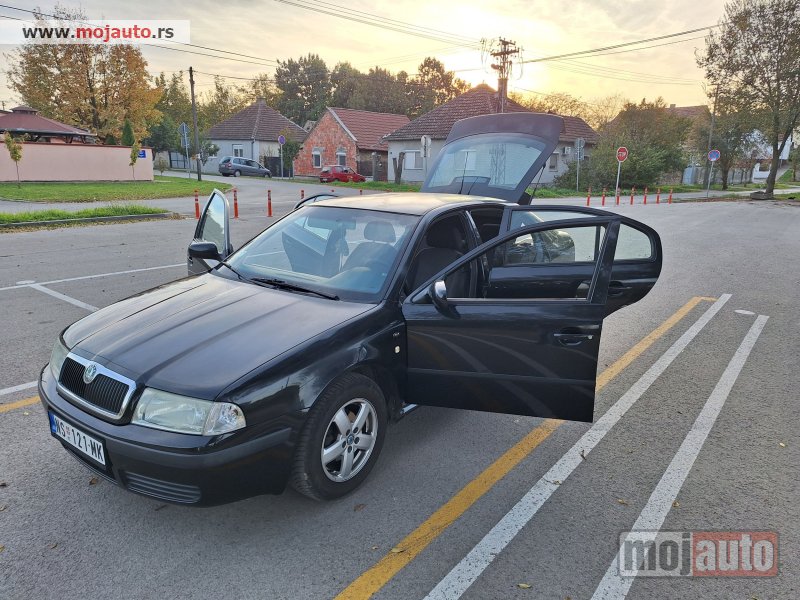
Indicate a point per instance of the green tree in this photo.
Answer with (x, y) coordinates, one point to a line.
(655, 139)
(128, 138)
(305, 87)
(733, 136)
(432, 86)
(218, 104)
(261, 86)
(559, 103)
(134, 157)
(752, 60)
(164, 136)
(15, 152)
(344, 83)
(381, 91)
(175, 100)
(94, 86)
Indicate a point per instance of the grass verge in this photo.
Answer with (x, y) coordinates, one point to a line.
(90, 191)
(41, 216)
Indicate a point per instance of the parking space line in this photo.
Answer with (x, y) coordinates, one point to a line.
(81, 278)
(40, 288)
(464, 574)
(18, 388)
(18, 404)
(372, 580)
(650, 520)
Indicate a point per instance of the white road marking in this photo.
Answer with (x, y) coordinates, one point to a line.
(21, 284)
(464, 574)
(613, 585)
(26, 282)
(744, 312)
(18, 388)
(39, 287)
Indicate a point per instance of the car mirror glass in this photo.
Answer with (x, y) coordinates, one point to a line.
(438, 294)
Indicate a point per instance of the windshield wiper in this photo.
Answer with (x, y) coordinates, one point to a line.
(285, 285)
(239, 275)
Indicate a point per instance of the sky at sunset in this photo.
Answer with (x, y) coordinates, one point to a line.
(272, 30)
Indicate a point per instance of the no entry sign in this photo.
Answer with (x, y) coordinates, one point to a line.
(622, 154)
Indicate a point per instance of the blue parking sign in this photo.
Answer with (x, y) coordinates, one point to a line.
(142, 153)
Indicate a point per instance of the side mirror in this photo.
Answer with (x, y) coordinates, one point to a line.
(438, 294)
(204, 250)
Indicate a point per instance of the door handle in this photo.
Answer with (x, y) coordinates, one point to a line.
(572, 339)
(616, 288)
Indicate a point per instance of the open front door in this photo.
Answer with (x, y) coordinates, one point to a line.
(213, 227)
(514, 326)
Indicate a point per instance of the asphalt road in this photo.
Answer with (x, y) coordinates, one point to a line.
(560, 514)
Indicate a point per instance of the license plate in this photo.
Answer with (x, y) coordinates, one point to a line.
(86, 444)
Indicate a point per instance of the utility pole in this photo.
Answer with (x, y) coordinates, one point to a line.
(505, 54)
(194, 121)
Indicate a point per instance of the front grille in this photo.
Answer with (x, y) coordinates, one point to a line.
(164, 490)
(105, 392)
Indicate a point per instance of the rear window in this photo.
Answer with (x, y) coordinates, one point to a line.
(226, 159)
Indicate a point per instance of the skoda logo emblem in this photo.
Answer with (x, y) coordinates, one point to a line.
(90, 373)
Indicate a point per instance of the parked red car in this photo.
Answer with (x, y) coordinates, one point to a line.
(339, 173)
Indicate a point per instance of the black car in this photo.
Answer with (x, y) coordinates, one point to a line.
(285, 361)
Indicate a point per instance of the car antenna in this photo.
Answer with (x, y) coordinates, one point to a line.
(535, 187)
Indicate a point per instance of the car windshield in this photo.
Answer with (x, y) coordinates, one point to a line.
(346, 252)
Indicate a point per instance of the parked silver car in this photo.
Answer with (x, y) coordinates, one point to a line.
(238, 165)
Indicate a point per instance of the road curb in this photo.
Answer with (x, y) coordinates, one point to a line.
(143, 217)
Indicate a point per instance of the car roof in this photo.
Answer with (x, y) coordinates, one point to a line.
(408, 203)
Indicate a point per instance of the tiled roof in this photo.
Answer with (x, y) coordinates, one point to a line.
(258, 121)
(574, 128)
(368, 128)
(480, 100)
(24, 119)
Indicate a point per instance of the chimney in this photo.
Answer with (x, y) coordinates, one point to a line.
(672, 106)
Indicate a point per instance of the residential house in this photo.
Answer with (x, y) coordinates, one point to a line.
(26, 121)
(349, 137)
(253, 133)
(480, 100)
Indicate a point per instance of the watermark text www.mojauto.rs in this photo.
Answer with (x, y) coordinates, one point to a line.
(698, 554)
(95, 32)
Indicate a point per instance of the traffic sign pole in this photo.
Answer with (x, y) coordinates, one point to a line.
(622, 156)
(713, 156)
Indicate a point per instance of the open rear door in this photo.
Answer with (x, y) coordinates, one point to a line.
(514, 326)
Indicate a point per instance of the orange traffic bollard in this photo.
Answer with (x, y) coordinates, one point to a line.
(617, 196)
(670, 196)
(633, 190)
(603, 201)
(645, 196)
(360, 192)
(658, 196)
(235, 203)
(196, 205)
(302, 194)
(333, 191)
(588, 197)
(269, 203)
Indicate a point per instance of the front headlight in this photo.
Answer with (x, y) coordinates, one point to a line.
(163, 410)
(57, 358)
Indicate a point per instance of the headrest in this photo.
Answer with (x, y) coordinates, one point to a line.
(442, 237)
(380, 231)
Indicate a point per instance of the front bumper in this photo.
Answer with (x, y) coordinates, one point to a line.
(179, 468)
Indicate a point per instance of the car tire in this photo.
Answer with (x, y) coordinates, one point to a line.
(329, 425)
(236, 173)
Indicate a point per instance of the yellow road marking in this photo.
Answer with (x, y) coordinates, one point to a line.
(18, 404)
(372, 580)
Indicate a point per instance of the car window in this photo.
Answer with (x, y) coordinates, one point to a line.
(514, 269)
(213, 226)
(632, 244)
(347, 252)
(525, 218)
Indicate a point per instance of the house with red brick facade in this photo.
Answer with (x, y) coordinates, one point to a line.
(348, 137)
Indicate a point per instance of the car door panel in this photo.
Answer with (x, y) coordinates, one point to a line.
(527, 356)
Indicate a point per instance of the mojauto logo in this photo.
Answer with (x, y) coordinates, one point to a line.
(698, 554)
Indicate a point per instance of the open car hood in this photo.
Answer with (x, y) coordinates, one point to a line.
(494, 155)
